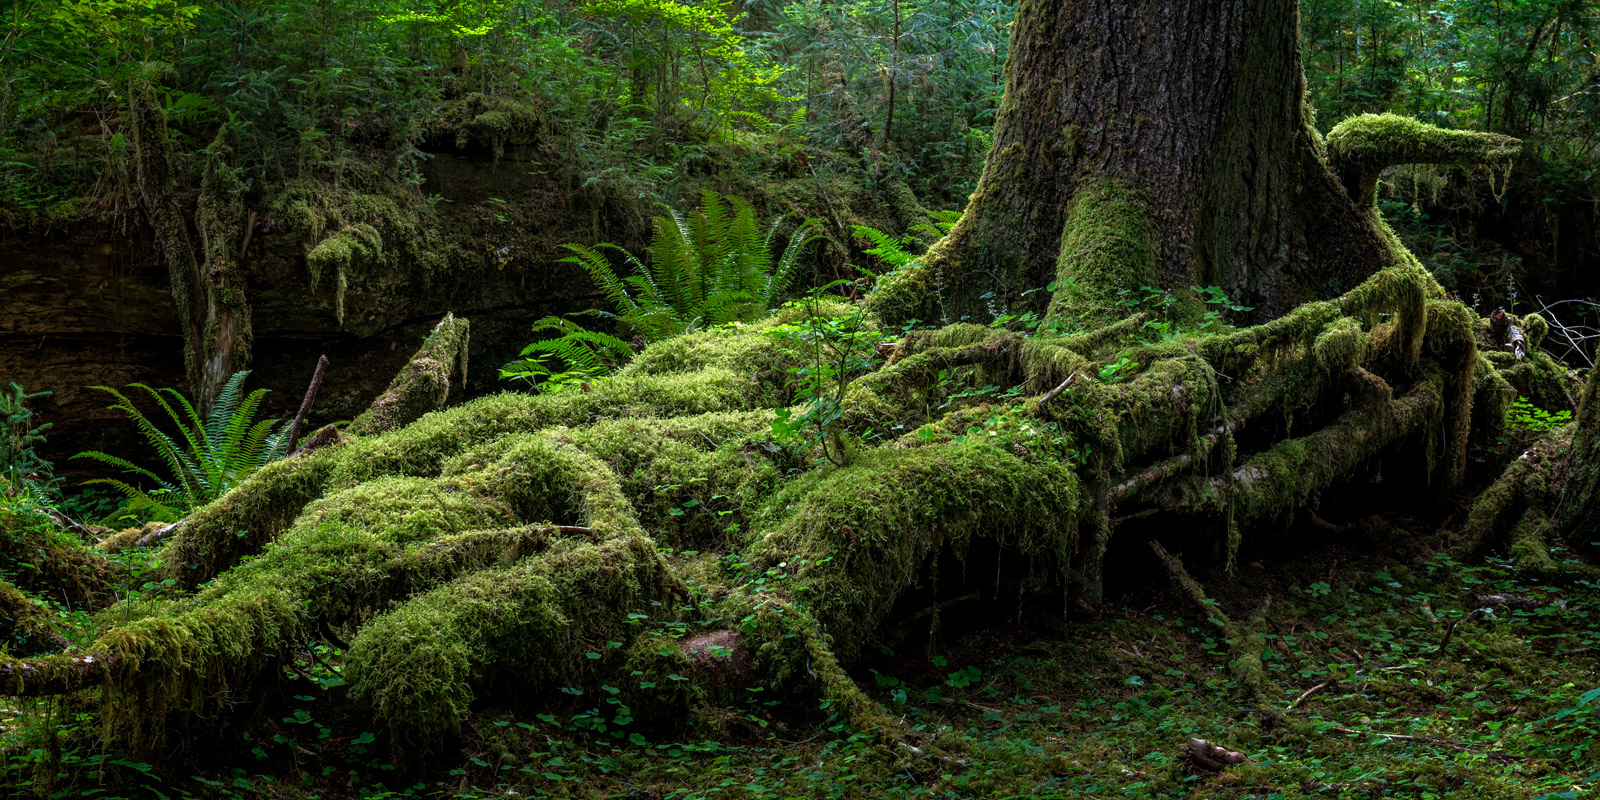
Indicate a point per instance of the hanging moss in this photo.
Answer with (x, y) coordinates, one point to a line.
(350, 248)
(486, 120)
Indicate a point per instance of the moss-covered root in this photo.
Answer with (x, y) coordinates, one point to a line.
(423, 385)
(1246, 644)
(1361, 147)
(244, 520)
(531, 627)
(1524, 485)
(1530, 551)
(534, 623)
(25, 627)
(857, 538)
(41, 557)
(1581, 494)
(1290, 475)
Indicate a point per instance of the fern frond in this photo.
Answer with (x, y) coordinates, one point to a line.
(139, 499)
(601, 273)
(124, 465)
(241, 447)
(277, 445)
(750, 260)
(183, 465)
(886, 247)
(675, 263)
(210, 455)
(222, 410)
(788, 265)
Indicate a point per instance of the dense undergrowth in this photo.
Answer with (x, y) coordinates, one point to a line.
(1498, 704)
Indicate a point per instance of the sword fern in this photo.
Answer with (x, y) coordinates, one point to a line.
(713, 267)
(208, 455)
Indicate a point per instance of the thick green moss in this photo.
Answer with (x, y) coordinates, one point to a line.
(1359, 148)
(859, 536)
(423, 385)
(498, 547)
(1107, 244)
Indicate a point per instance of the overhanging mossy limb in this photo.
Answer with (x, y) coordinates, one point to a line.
(1361, 147)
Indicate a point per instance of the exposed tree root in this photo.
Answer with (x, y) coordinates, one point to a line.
(1547, 491)
(1245, 643)
(498, 547)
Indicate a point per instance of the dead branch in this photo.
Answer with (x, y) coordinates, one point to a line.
(1056, 392)
(1445, 642)
(305, 404)
(1307, 693)
(160, 533)
(1465, 747)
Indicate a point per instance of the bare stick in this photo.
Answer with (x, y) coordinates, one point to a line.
(1307, 693)
(1056, 392)
(249, 228)
(1466, 747)
(1445, 642)
(305, 405)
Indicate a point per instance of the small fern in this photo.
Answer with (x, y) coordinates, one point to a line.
(209, 455)
(710, 268)
(20, 463)
(894, 251)
(584, 353)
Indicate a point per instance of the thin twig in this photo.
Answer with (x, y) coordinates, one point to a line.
(305, 405)
(1307, 693)
(1054, 393)
(1466, 747)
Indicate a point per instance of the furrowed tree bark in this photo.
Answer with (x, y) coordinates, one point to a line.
(208, 286)
(1162, 144)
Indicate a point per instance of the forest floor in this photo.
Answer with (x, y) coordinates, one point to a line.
(1394, 671)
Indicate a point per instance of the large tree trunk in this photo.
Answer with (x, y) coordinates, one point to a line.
(1145, 143)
